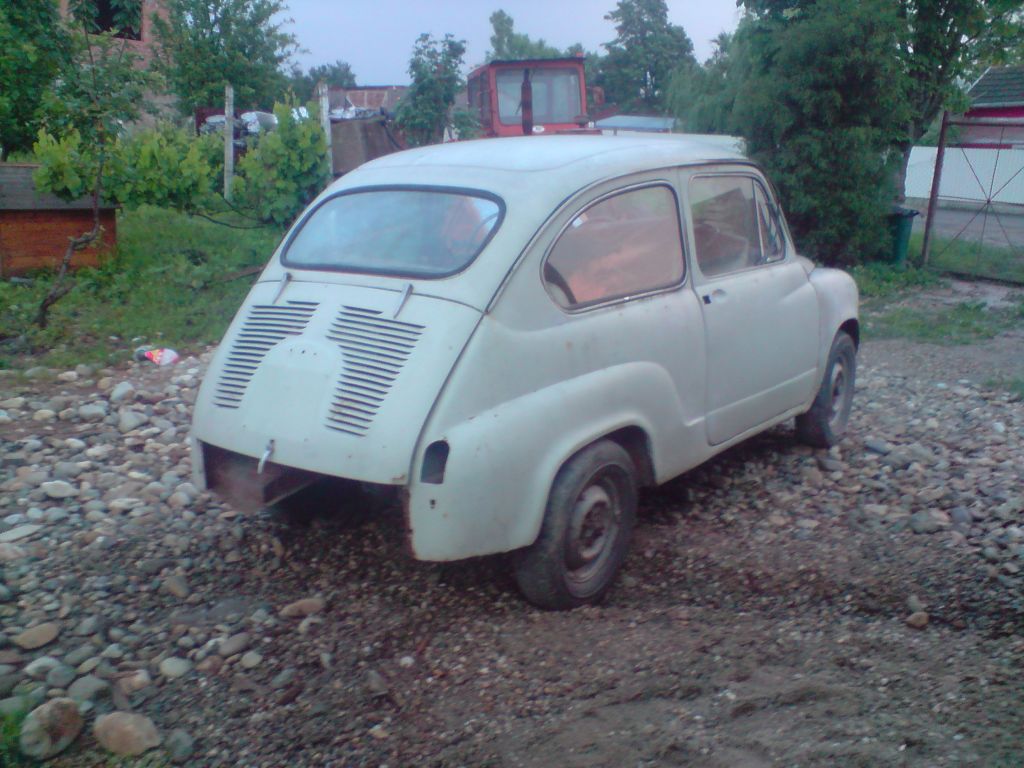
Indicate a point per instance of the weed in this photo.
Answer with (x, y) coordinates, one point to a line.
(971, 258)
(10, 731)
(1013, 386)
(962, 324)
(879, 280)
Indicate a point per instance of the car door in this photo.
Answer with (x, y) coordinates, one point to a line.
(760, 311)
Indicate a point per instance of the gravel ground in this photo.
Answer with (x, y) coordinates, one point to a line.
(780, 606)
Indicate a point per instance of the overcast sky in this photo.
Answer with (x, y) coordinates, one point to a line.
(376, 36)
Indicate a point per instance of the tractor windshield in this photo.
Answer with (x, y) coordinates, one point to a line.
(556, 95)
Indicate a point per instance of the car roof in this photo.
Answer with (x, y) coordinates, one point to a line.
(563, 154)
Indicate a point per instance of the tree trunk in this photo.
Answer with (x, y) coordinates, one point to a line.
(61, 285)
(900, 172)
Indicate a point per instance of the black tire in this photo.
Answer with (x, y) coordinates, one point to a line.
(825, 423)
(586, 531)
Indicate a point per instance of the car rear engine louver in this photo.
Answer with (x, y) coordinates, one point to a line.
(374, 349)
(266, 325)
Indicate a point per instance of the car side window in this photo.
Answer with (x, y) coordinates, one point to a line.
(726, 229)
(773, 242)
(620, 246)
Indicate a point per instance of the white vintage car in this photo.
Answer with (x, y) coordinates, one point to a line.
(515, 334)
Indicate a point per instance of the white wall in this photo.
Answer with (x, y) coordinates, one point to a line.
(959, 182)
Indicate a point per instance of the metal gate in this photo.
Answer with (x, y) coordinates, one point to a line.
(974, 224)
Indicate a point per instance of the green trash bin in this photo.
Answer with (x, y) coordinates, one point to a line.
(901, 222)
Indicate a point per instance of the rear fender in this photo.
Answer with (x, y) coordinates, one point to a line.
(502, 462)
(838, 305)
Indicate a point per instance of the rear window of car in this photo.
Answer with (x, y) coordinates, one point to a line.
(412, 232)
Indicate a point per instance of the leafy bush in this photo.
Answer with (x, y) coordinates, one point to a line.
(67, 167)
(285, 170)
(164, 166)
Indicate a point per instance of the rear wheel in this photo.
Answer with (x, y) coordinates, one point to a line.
(586, 531)
(825, 423)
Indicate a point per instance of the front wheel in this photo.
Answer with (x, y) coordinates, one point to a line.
(825, 424)
(586, 531)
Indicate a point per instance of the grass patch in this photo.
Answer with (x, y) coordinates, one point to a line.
(879, 280)
(1013, 386)
(10, 731)
(971, 258)
(161, 286)
(963, 323)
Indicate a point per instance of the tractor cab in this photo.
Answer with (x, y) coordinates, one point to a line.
(530, 96)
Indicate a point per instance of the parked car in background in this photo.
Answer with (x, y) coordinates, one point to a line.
(514, 335)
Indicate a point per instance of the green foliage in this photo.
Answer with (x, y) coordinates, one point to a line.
(818, 96)
(205, 44)
(426, 110)
(336, 75)
(10, 727)
(506, 43)
(164, 166)
(163, 283)
(285, 170)
(643, 55)
(879, 280)
(964, 323)
(101, 87)
(703, 97)
(122, 18)
(67, 168)
(33, 43)
(1014, 386)
(964, 257)
(939, 45)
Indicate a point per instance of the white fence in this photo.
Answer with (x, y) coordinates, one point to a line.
(969, 175)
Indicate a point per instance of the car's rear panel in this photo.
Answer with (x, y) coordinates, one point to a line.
(329, 379)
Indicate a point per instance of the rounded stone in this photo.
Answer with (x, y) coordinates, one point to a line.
(50, 728)
(174, 667)
(126, 734)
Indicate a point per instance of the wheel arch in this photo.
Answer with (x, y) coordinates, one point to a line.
(637, 443)
(852, 329)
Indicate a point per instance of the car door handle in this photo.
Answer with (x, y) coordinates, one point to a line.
(716, 295)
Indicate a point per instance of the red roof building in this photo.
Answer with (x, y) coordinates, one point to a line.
(998, 98)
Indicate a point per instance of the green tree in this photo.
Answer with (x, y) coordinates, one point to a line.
(506, 43)
(336, 75)
(204, 44)
(703, 97)
(938, 44)
(32, 44)
(821, 103)
(426, 111)
(643, 55)
(100, 89)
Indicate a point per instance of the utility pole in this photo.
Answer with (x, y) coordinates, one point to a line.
(933, 198)
(229, 139)
(325, 119)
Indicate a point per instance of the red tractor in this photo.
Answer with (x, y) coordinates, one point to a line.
(531, 96)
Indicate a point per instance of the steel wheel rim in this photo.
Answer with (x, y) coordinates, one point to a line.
(594, 528)
(839, 390)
